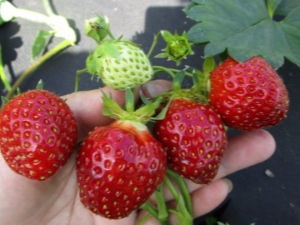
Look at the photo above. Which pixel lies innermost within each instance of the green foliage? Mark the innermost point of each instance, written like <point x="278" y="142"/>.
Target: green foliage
<point x="178" y="47"/>
<point x="97" y="28"/>
<point x="39" y="43"/>
<point x="247" y="28"/>
<point x="210" y="220"/>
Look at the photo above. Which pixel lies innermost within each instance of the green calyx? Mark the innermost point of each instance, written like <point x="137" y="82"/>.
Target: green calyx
<point x="178" y="47"/>
<point x="98" y="28"/>
<point x="142" y="115"/>
<point x="105" y="48"/>
<point x="198" y="92"/>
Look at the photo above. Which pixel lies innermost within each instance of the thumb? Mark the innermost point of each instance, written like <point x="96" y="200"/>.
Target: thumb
<point x="155" y="87"/>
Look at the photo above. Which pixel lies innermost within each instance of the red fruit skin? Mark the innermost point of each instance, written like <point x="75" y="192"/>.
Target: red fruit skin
<point x="118" y="168"/>
<point x="38" y="133"/>
<point x="194" y="138"/>
<point x="248" y="95"/>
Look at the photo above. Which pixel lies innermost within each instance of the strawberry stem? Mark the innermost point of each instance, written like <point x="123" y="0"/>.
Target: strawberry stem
<point x="129" y="103"/>
<point x="143" y="220"/>
<point x="177" y="82"/>
<point x="183" y="214"/>
<point x="171" y="188"/>
<point x="154" y="43"/>
<point x="78" y="74"/>
<point x="64" y="44"/>
<point x="170" y="71"/>
<point x="161" y="205"/>
<point x="153" y="212"/>
<point x="183" y="189"/>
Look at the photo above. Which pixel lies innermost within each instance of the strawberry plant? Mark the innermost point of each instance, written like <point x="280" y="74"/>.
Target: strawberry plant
<point x="60" y="28"/>
<point x="176" y="135"/>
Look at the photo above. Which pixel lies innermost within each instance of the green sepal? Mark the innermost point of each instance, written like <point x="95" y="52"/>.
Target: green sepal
<point x="167" y="36"/>
<point x="91" y="64"/>
<point x="142" y="115"/>
<point x="40" y="85"/>
<point x="209" y="65"/>
<point x="162" y="114"/>
<point x="145" y="113"/>
<point x="177" y="82"/>
<point x="4" y="100"/>
<point x="107" y="48"/>
<point x="144" y="99"/>
<point x="110" y="107"/>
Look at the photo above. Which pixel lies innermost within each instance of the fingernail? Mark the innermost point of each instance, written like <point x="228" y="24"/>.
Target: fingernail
<point x="154" y="88"/>
<point x="229" y="183"/>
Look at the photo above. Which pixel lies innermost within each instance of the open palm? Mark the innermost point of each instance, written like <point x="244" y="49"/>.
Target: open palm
<point x="56" y="200"/>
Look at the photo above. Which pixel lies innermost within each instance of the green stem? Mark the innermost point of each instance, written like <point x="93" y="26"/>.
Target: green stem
<point x="183" y="189"/>
<point x="270" y="8"/>
<point x="154" y="43"/>
<point x="164" y="69"/>
<point x="171" y="188"/>
<point x="170" y="71"/>
<point x="48" y="8"/>
<point x="110" y="34"/>
<point x="32" y="16"/>
<point x="161" y="204"/>
<point x="64" y="44"/>
<point x="143" y="220"/>
<point x="130" y="101"/>
<point x="146" y="206"/>
<point x="78" y="74"/>
<point x="2" y="73"/>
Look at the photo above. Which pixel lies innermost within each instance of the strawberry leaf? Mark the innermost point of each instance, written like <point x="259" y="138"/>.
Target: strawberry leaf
<point x="286" y="6"/>
<point x="246" y="29"/>
<point x="39" y="43"/>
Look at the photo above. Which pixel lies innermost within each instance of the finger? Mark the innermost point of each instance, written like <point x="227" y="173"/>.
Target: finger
<point x="87" y="105"/>
<point x="204" y="200"/>
<point x="243" y="150"/>
<point x="207" y="198"/>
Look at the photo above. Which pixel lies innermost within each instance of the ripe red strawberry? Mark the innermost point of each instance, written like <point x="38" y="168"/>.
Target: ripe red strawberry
<point x="118" y="168"/>
<point x="194" y="138"/>
<point x="38" y="133"/>
<point x="248" y="95"/>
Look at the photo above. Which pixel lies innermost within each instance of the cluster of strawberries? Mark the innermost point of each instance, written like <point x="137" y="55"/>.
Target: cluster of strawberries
<point x="121" y="165"/>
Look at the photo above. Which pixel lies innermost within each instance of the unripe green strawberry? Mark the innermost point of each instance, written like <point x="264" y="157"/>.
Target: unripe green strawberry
<point x="38" y="133"/>
<point x="120" y="64"/>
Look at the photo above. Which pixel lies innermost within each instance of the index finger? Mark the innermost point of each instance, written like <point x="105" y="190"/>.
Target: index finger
<point x="87" y="106"/>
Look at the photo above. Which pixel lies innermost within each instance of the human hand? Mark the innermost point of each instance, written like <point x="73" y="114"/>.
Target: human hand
<point x="56" y="200"/>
